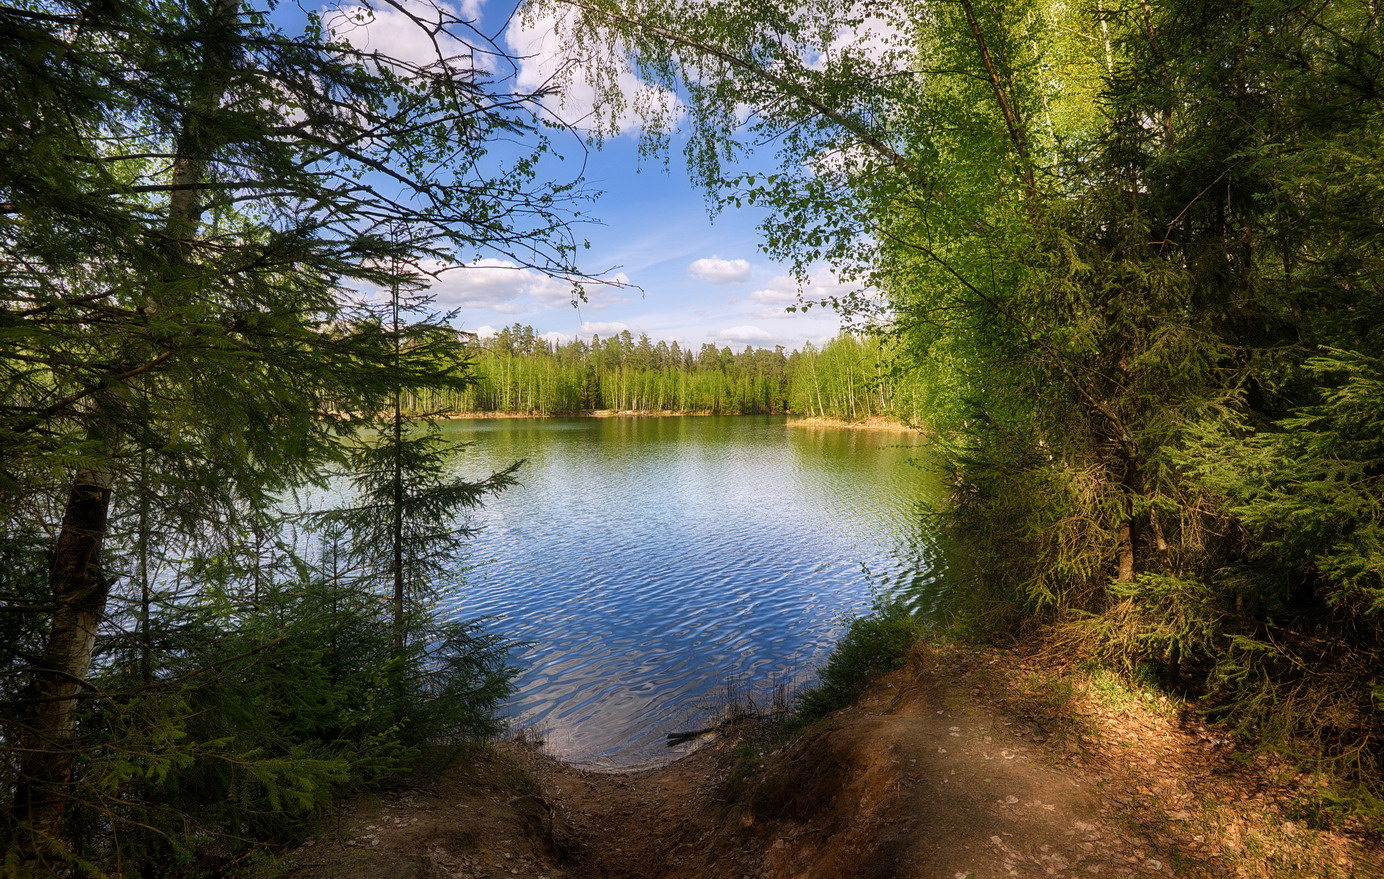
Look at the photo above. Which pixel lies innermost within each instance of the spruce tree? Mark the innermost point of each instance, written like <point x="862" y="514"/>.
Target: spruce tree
<point x="191" y="201"/>
<point x="1131" y="252"/>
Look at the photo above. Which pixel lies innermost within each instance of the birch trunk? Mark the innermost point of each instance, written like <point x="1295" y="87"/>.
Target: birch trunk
<point x="79" y="590"/>
<point x="78" y="586"/>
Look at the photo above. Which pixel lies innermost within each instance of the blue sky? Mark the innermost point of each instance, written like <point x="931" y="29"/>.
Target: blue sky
<point x="702" y="279"/>
<point x="691" y="279"/>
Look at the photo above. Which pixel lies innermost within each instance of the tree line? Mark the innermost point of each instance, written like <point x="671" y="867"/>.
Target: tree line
<point x="1132" y="255"/>
<point x="517" y="372"/>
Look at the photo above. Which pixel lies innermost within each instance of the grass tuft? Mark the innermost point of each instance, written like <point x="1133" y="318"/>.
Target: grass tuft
<point x="871" y="646"/>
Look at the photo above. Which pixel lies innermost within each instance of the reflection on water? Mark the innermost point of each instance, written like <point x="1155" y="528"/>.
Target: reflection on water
<point x="651" y="563"/>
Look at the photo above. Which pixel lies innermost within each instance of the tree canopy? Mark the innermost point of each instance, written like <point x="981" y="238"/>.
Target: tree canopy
<point x="1133" y="250"/>
<point x="198" y="211"/>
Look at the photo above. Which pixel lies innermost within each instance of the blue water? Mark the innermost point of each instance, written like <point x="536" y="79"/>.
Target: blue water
<point x="654" y="563"/>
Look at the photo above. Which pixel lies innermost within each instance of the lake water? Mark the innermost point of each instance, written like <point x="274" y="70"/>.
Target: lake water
<point x="655" y="563"/>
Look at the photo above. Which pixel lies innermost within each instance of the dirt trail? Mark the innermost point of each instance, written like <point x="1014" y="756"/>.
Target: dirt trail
<point x="972" y="765"/>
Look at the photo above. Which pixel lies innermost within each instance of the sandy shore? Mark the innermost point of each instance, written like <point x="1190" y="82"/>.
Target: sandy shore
<point x="585" y="413"/>
<point x="874" y="422"/>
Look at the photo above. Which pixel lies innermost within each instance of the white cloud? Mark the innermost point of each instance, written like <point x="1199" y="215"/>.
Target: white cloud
<point x="874" y="37"/>
<point x="772" y="314"/>
<point x="748" y="334"/>
<point x="508" y="288"/>
<point x="552" y="61"/>
<point x="550" y="291"/>
<point x="775" y="294"/>
<point x="853" y="161"/>
<point x="395" y="33"/>
<point x="784" y="290"/>
<point x="498" y="285"/>
<point x="599" y="296"/>
<point x="486" y="331"/>
<point x="603" y="328"/>
<point x="720" y="271"/>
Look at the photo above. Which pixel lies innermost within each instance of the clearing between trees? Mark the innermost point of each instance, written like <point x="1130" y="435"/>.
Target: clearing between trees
<point x="968" y="764"/>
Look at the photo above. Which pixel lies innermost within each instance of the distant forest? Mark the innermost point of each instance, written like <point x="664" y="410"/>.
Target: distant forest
<point x="518" y="372"/>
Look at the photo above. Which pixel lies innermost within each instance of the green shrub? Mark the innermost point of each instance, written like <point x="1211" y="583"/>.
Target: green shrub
<point x="872" y="645"/>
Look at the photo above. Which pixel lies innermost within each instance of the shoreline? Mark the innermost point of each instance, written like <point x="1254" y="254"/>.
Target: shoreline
<point x="588" y="413"/>
<point x="962" y="763"/>
<point x="872" y="423"/>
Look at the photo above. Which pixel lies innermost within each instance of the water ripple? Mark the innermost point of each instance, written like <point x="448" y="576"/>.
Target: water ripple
<point x="651" y="565"/>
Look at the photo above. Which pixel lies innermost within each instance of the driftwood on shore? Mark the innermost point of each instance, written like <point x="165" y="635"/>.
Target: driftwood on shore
<point x="678" y="738"/>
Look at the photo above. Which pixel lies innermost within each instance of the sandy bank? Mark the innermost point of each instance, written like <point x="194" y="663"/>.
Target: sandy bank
<point x="982" y="763"/>
<point x="874" y="422"/>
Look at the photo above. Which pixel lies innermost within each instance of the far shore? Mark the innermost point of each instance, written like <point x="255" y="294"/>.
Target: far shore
<point x="588" y="413"/>
<point x="874" y="422"/>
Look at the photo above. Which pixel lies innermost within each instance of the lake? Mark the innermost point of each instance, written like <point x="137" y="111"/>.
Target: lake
<point x="653" y="564"/>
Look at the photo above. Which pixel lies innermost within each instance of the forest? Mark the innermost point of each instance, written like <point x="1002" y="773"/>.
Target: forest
<point x="847" y="379"/>
<point x="1131" y="255"/>
<point x="192" y="202"/>
<point x="1131" y="272"/>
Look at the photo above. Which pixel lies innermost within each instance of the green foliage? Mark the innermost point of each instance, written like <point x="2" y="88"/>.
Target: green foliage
<point x="266" y="698"/>
<point x="518" y="373"/>
<point x="1129" y="256"/>
<point x="871" y="645"/>
<point x="1154" y="625"/>
<point x="1021" y="538"/>
<point x="407" y="514"/>
<point x="192" y="203"/>
<point x="1310" y="489"/>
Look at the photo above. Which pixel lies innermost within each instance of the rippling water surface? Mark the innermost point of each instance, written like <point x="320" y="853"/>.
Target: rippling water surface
<point x="651" y="563"/>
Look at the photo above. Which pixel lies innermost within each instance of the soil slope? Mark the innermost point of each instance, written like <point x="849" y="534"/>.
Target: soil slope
<point x="970" y="764"/>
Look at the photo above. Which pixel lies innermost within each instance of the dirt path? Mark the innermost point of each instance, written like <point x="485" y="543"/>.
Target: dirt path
<point x="972" y="765"/>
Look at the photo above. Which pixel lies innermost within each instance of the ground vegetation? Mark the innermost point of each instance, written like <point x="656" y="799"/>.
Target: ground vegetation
<point x="1131" y="253"/>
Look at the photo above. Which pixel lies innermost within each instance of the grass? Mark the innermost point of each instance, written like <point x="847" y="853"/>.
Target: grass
<point x="872" y="645"/>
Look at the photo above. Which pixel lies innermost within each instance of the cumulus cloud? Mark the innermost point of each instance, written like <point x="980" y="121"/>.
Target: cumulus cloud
<point x="498" y="285"/>
<point x="550" y="291"/>
<point x="405" y="33"/>
<point x="603" y="328"/>
<point x="777" y="293"/>
<point x="599" y="296"/>
<point x="785" y="290"/>
<point x="505" y="287"/>
<point x="720" y="271"/>
<point x="549" y="63"/>
<point x="876" y="35"/>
